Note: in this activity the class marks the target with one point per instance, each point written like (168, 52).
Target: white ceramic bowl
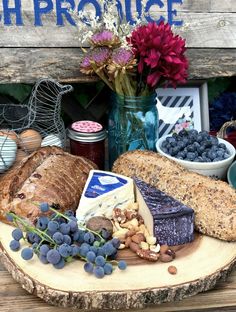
(216, 169)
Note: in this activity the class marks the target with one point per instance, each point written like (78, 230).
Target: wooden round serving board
(200, 264)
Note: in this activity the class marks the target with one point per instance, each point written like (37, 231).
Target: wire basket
(28, 126)
(224, 132)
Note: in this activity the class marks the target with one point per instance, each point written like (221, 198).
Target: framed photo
(183, 107)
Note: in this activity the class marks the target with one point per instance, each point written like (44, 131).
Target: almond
(130, 233)
(134, 247)
(138, 238)
(165, 258)
(128, 241)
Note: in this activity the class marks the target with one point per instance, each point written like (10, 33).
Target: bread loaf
(47, 175)
(214, 202)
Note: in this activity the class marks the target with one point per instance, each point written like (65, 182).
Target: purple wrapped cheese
(166, 218)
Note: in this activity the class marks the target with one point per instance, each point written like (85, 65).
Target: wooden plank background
(28, 52)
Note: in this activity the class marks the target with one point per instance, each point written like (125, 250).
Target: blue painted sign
(12, 12)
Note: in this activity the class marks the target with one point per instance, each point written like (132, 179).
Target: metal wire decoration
(40, 115)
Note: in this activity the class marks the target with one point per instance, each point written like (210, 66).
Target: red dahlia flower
(160, 54)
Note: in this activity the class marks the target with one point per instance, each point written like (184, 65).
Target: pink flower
(160, 54)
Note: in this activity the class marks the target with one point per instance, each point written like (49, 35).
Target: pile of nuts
(129, 228)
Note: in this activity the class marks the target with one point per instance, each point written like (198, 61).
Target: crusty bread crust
(47, 175)
(214, 202)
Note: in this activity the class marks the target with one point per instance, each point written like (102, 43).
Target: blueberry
(214, 140)
(198, 159)
(226, 155)
(175, 150)
(88, 267)
(181, 154)
(212, 155)
(181, 145)
(17, 234)
(199, 138)
(99, 272)
(53, 256)
(222, 145)
(58, 238)
(60, 264)
(217, 159)
(220, 153)
(165, 150)
(27, 253)
(108, 268)
(100, 261)
(91, 256)
(190, 156)
(14, 245)
(9, 217)
(183, 132)
(191, 148)
(164, 144)
(122, 265)
(44, 207)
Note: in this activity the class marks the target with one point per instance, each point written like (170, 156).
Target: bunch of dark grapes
(192, 145)
(58, 238)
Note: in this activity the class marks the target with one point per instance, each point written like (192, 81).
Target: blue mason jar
(133, 124)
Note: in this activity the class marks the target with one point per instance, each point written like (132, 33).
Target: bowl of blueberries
(198, 151)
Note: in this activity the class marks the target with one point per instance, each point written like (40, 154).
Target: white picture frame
(189, 103)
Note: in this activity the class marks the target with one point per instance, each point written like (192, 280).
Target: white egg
(52, 140)
(8, 149)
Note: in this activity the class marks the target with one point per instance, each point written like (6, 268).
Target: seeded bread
(214, 202)
(47, 175)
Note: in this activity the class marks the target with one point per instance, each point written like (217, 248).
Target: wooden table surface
(222, 298)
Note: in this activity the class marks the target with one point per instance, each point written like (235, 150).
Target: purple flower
(105, 38)
(100, 56)
(95, 59)
(122, 57)
(121, 60)
(85, 65)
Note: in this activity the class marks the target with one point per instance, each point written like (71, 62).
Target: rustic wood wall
(28, 52)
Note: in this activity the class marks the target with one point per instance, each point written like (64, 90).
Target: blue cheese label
(102, 183)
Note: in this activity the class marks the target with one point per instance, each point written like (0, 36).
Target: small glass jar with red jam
(87, 139)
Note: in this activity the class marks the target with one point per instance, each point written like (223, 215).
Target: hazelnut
(172, 269)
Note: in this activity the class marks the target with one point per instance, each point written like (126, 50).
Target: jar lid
(86, 131)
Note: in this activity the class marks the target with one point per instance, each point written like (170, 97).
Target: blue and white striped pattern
(170, 109)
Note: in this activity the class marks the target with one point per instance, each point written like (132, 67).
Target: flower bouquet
(133, 61)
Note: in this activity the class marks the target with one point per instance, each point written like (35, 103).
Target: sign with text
(65, 10)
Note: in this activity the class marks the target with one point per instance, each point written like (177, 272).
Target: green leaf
(17, 91)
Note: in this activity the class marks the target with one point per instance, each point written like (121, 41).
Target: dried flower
(95, 60)
(134, 59)
(105, 38)
(121, 60)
